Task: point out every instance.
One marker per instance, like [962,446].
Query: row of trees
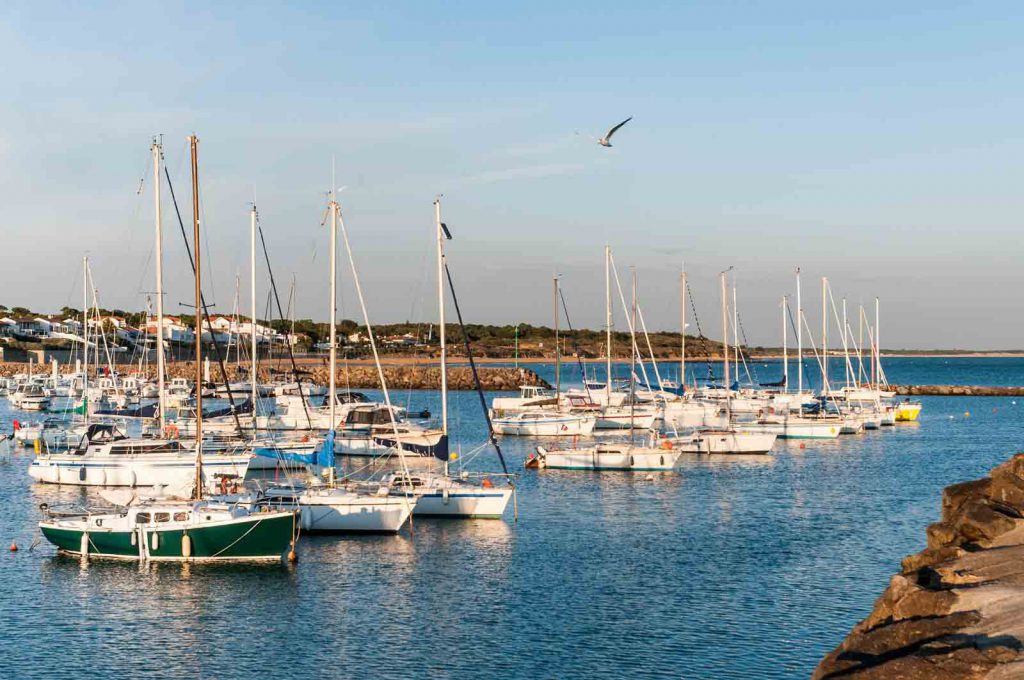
[488,340]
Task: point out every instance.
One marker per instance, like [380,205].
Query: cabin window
[162,517]
[142,518]
[180,516]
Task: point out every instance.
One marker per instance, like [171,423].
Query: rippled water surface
[732,568]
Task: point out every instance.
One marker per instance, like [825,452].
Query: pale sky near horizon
[878,144]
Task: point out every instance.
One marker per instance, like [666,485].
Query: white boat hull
[610,458]
[625,420]
[798,429]
[347,512]
[555,426]
[736,442]
[463,503]
[175,471]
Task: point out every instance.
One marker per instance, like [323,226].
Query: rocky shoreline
[957,390]
[956,609]
[361,377]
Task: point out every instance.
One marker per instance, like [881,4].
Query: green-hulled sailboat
[178,531]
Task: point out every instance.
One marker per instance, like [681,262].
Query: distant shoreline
[529,361]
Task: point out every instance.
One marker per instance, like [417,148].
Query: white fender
[84,546]
[186,546]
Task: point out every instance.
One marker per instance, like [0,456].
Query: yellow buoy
[967,414]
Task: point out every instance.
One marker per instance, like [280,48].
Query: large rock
[956,610]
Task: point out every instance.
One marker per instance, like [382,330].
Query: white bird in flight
[606,140]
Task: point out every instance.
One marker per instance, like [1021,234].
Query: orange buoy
[487,483]
[803,446]
[14,547]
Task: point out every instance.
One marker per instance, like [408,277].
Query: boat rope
[205,310]
[792,323]
[700,337]
[280,313]
[575,345]
[743,351]
[476,375]
[234,542]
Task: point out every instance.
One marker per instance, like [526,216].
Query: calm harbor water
[734,568]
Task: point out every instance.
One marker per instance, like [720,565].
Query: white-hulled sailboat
[441,494]
[610,456]
[106,457]
[167,530]
[323,505]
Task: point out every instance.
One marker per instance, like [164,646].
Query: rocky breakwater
[415,377]
[958,390]
[956,609]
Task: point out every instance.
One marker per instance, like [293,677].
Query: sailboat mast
[735,333]
[632,360]
[291,309]
[608,319]
[799,337]
[860,344]
[440,315]
[333,331]
[846,344]
[682,329]
[558,354]
[725,345]
[160,368]
[878,348]
[85,337]
[824,335]
[194,145]
[785,349]
[252,323]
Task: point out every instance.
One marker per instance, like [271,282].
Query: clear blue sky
[879,144]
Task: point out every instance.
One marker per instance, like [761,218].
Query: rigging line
[205,311]
[208,268]
[637,357]
[476,375]
[743,350]
[700,336]
[792,323]
[575,345]
[277,301]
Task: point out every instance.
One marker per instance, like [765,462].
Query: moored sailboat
[161,530]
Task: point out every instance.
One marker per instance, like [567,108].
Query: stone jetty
[958,390]
[416,377]
[956,609]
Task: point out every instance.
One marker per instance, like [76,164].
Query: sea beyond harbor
[719,567]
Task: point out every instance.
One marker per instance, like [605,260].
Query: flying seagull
[606,140]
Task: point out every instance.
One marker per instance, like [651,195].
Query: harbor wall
[417,377]
[957,390]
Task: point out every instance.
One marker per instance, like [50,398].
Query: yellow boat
[907,411]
